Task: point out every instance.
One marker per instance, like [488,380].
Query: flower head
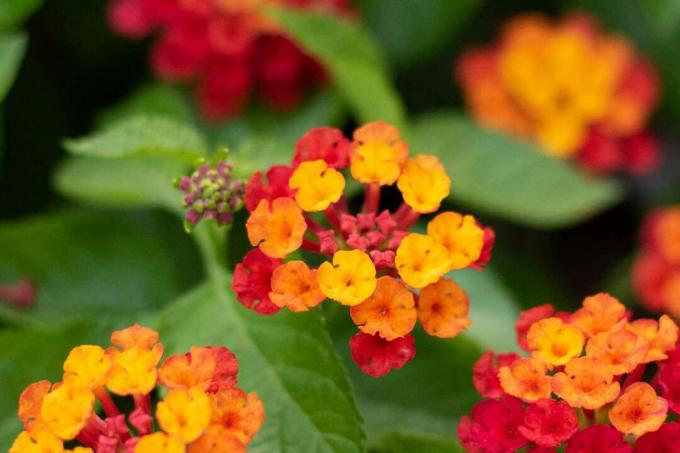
[371,262]
[576,91]
[210,193]
[201,408]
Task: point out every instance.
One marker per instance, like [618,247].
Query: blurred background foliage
[92,219]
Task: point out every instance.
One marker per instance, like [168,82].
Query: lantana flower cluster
[227,47]
[593,381]
[578,92]
[199,410]
[656,272]
[374,263]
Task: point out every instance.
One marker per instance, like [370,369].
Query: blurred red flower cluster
[228,47]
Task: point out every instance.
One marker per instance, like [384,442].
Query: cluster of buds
[576,91]
[201,411]
[228,47]
[594,381]
[20,295]
[656,272]
[375,264]
[211,193]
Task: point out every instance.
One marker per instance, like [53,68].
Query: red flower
[549,423]
[377,357]
[252,281]
[539,449]
[325,143]
[257,190]
[493,427]
[669,381]
[485,255]
[665,440]
[641,153]
[485,373]
[598,439]
[526,319]
[601,152]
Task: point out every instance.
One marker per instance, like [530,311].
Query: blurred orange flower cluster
[584,383]
[656,272]
[576,91]
[201,410]
[372,257]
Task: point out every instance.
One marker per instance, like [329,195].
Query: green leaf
[286,358]
[14,12]
[94,265]
[12,50]
[157,99]
[144,181]
[410,443]
[353,60]
[415,29]
[142,135]
[499,175]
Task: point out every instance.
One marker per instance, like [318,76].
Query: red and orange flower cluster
[656,272]
[374,262]
[576,91]
[228,47]
[202,410]
[594,381]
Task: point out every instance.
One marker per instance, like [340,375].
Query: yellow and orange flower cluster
[202,410]
[573,89]
[591,365]
[375,265]
[656,272]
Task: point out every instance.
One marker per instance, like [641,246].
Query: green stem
[211,241]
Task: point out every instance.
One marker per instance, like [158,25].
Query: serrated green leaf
[12,50]
[93,265]
[142,135]
[499,175]
[286,358]
[353,60]
[415,29]
[411,443]
[127,182]
[13,12]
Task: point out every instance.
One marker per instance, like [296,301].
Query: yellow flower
[159,443]
[460,235]
[317,185]
[421,260]
[87,366]
[350,279]
[554,342]
[66,409]
[378,154]
[423,183]
[134,370]
[39,440]
[184,413]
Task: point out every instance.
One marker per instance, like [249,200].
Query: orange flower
[600,313]
[295,286]
[585,383]
[184,414]
[317,185]
[423,183]
[639,410]
[460,235]
[207,368]
[87,366]
[30,402]
[66,409]
[621,350]
[39,440]
[665,233]
[350,279]
[378,154]
[443,309]
[554,342]
[389,312]
[159,443]
[135,336]
[133,370]
[240,413]
[277,228]
[526,379]
[661,336]
[421,260]
[217,439]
